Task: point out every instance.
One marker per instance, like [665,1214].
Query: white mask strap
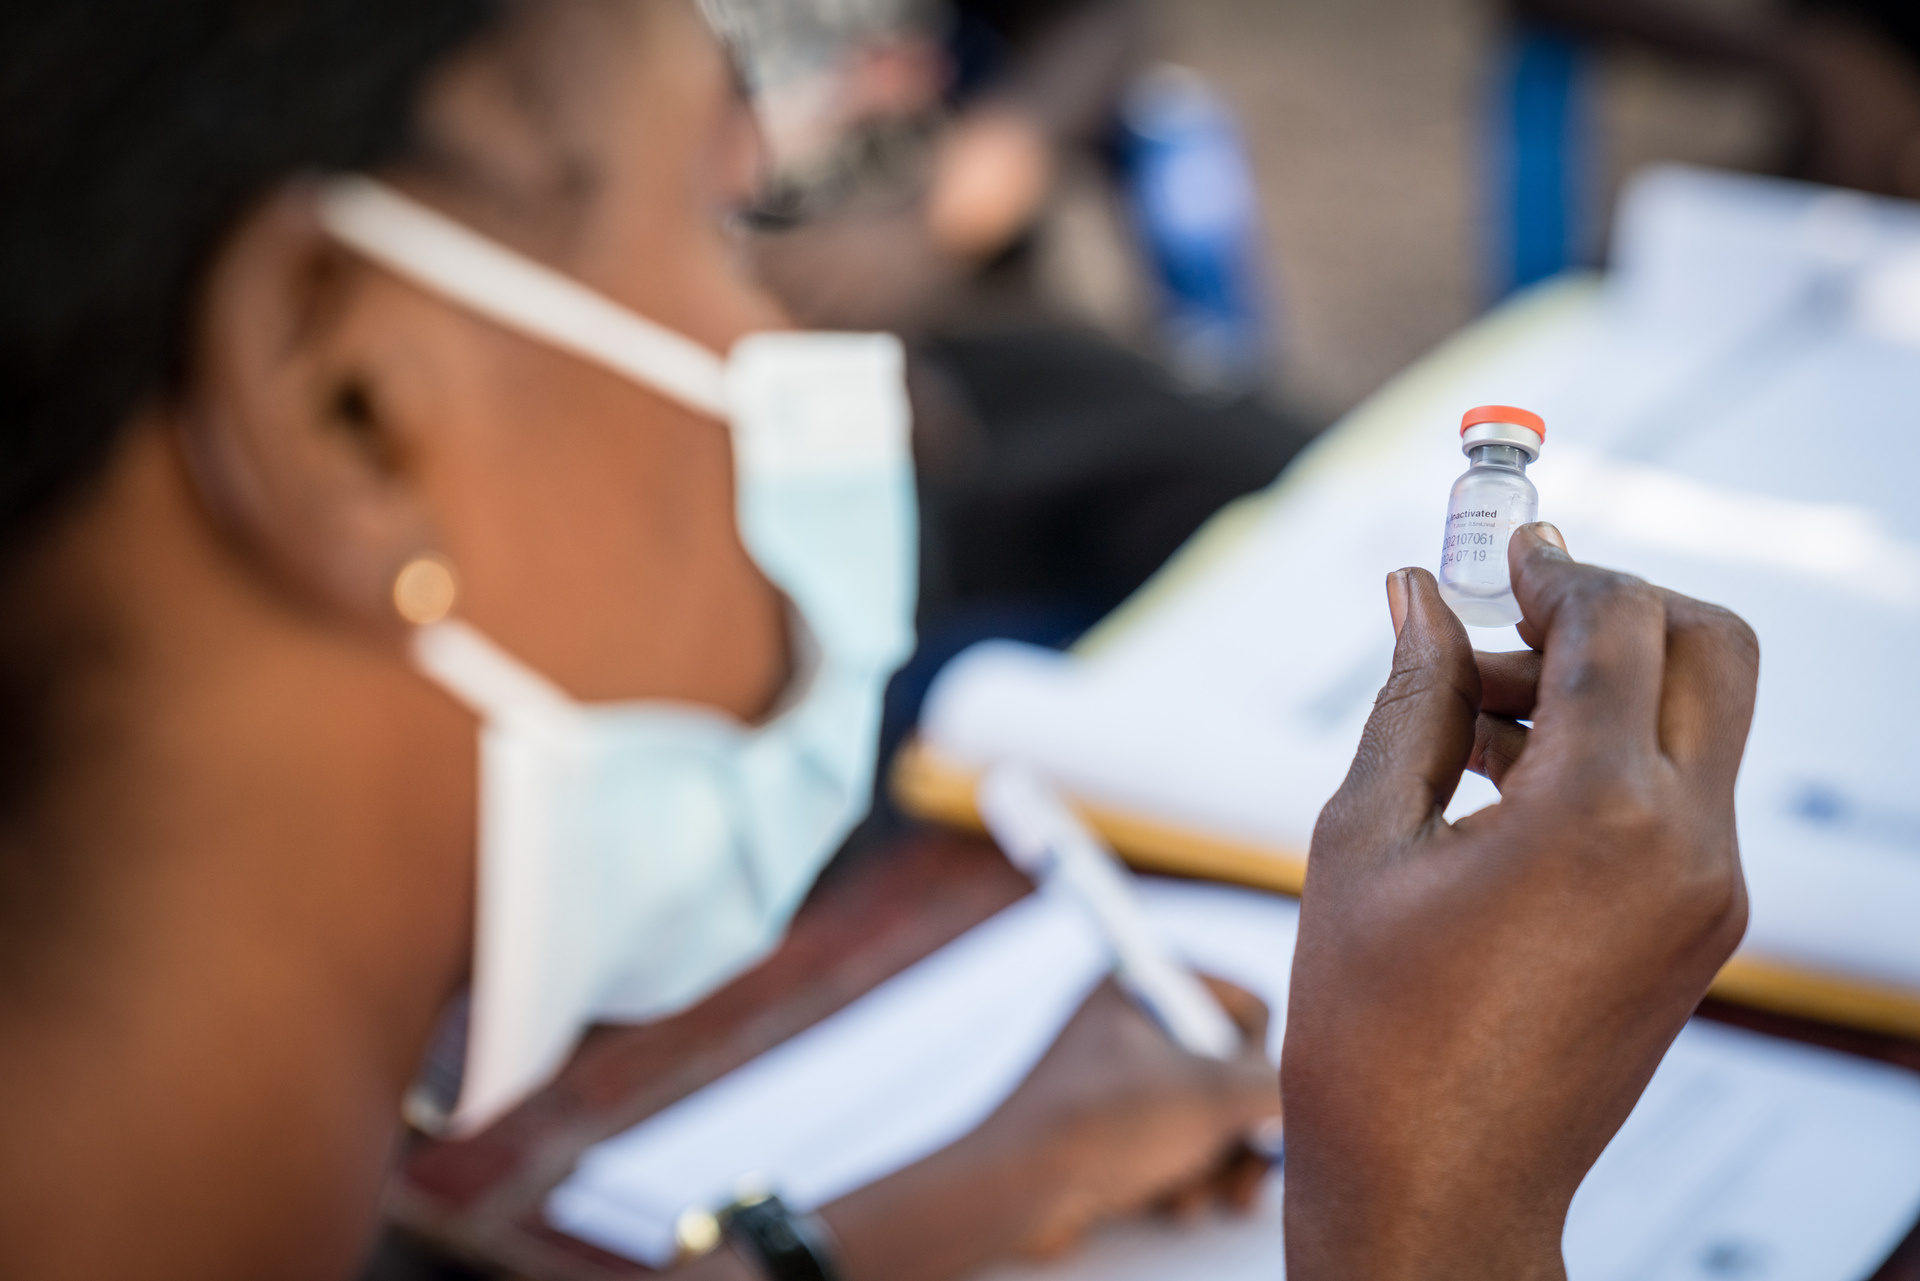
[433,250]
[487,679]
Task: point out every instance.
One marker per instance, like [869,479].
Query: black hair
[133,136]
[133,133]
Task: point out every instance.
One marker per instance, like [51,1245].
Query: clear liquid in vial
[1489,502]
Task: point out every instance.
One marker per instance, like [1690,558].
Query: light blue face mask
[636,856]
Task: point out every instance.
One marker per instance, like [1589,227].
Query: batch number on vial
[1466,545]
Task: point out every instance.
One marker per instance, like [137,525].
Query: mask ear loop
[432,250]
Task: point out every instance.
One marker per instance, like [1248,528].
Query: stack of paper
[1786,1161]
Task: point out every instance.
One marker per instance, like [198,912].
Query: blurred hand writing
[1115,1121]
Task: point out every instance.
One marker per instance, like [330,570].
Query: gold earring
[424,590]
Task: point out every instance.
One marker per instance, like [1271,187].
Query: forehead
[607,139]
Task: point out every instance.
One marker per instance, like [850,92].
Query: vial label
[1475,549]
[1474,578]
[1489,503]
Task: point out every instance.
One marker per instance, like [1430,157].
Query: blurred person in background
[241,801]
[922,148]
[917,150]
[914,144]
[318,557]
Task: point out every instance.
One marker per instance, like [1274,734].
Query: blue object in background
[1189,182]
[1541,171]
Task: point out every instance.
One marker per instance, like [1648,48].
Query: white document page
[1747,1158]
[903,1071]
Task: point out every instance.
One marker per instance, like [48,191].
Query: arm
[1477,1006]
[998,162]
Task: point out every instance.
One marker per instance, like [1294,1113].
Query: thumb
[1420,735]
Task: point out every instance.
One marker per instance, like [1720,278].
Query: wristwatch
[786,1245]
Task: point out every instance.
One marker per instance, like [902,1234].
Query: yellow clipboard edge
[931,786]
[1767,984]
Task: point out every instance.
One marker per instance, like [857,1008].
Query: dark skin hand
[1114,1122]
[1477,1006]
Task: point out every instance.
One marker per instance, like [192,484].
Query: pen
[1046,840]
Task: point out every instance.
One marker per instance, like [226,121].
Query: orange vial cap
[1504,414]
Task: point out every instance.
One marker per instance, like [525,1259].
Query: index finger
[1604,662]
[1416,741]
[1713,671]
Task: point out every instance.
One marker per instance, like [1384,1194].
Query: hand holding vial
[1489,502]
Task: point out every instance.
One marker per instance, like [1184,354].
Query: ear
[304,413]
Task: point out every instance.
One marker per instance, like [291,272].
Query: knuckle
[1726,638]
[1606,589]
[1584,675]
[1708,903]
[1625,810]
[1692,611]
[1603,615]
[1736,636]
[1709,887]
[1602,600]
[1624,594]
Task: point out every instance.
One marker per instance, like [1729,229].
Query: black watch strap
[791,1247]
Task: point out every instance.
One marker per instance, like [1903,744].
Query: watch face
[790,1247]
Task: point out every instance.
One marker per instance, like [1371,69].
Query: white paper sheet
[900,1073]
[1748,1158]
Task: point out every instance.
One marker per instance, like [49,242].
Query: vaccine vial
[1489,502]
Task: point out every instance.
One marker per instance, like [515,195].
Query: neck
[1497,455]
[262,835]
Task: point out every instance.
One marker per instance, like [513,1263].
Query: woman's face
[592,520]
[589,520]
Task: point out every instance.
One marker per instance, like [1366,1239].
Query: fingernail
[1549,533]
[1398,595]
